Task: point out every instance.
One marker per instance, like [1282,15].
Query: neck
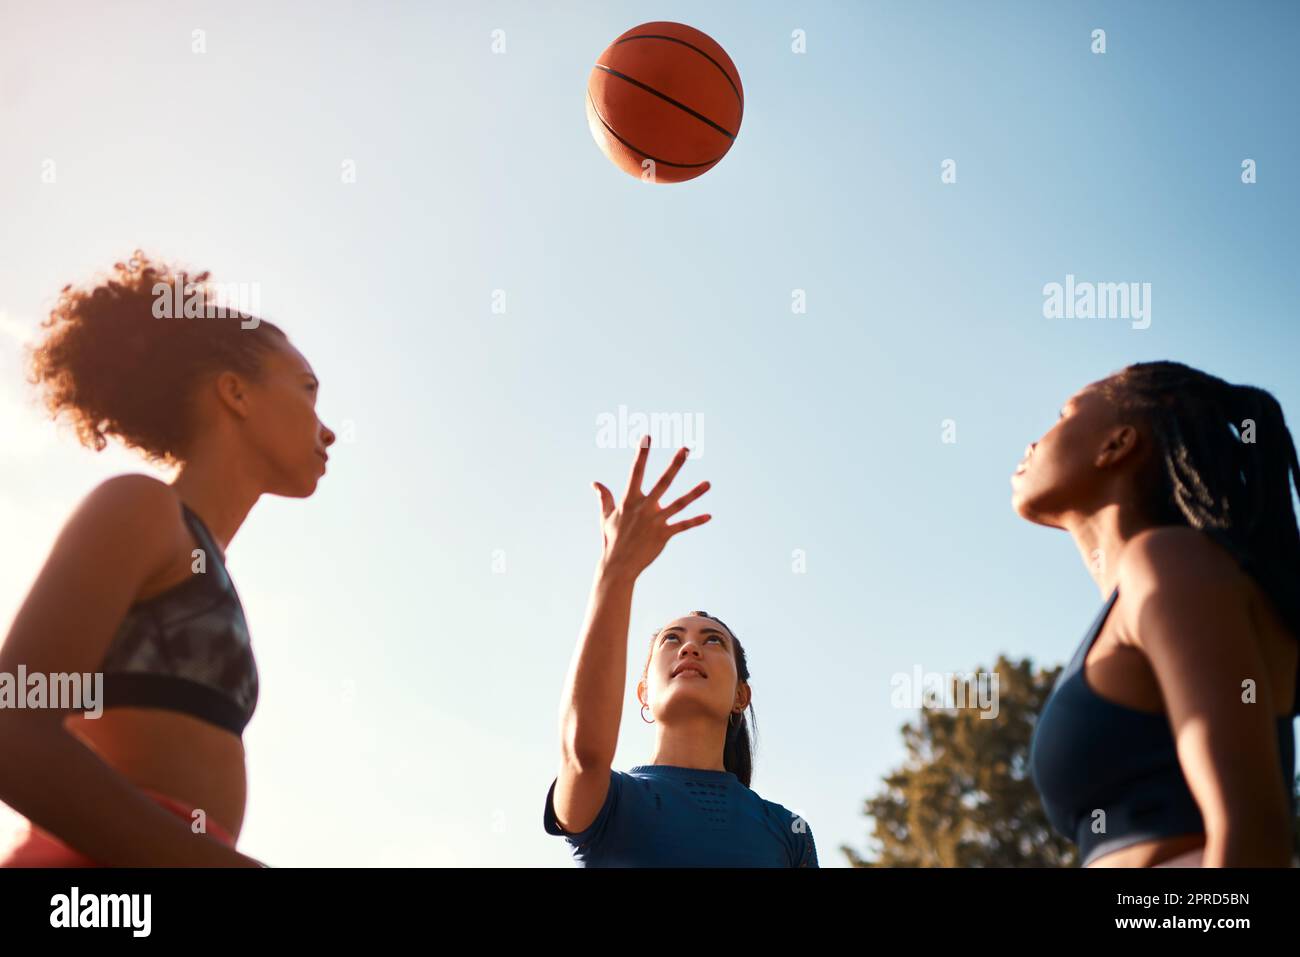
[219,489]
[1101,536]
[694,742]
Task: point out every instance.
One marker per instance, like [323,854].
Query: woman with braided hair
[691,806]
[1168,739]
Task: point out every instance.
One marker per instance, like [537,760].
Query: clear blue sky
[410,692]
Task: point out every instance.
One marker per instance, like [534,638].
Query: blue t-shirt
[661,815]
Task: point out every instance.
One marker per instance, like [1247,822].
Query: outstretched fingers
[606,499]
[686,499]
[670,473]
[638,468]
[689,523]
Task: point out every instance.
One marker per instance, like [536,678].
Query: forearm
[93,808]
[593,700]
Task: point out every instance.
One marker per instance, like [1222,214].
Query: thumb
[606,499]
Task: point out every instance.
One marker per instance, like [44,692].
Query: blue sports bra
[187,649]
[1090,755]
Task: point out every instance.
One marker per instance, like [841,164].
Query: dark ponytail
[1224,462]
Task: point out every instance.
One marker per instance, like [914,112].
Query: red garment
[41,849]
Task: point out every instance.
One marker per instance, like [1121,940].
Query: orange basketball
[664,102]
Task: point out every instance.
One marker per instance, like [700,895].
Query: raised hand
[636,530]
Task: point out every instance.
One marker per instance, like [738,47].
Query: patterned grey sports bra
[187,649]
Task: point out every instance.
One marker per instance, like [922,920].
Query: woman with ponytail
[692,805]
[1168,739]
[135,595]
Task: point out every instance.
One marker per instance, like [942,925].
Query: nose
[327,435]
[692,648]
[1029,449]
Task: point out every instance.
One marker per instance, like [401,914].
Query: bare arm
[1188,610]
[121,537]
[634,532]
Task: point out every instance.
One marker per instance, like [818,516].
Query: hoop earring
[731,719]
[643,717]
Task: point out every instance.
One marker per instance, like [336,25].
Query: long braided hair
[738,749]
[1223,462]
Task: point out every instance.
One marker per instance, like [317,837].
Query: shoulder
[1176,563]
[798,830]
[789,818]
[618,781]
[1171,554]
[135,512]
[1172,576]
[132,496]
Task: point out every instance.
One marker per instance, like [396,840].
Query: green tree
[964,796]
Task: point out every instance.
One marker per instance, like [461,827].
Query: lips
[690,667]
[1024,461]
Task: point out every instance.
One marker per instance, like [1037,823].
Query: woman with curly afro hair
[135,591]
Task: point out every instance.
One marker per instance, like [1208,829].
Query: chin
[696,699]
[1021,505]
[1023,499]
[1018,505]
[1026,510]
[304,488]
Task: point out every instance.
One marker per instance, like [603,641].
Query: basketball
[664,102]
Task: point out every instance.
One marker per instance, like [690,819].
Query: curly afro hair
[113,368]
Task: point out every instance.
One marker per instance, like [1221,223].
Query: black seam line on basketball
[660,36]
[634,149]
[680,106]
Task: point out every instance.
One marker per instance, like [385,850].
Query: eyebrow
[703,631]
[312,376]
